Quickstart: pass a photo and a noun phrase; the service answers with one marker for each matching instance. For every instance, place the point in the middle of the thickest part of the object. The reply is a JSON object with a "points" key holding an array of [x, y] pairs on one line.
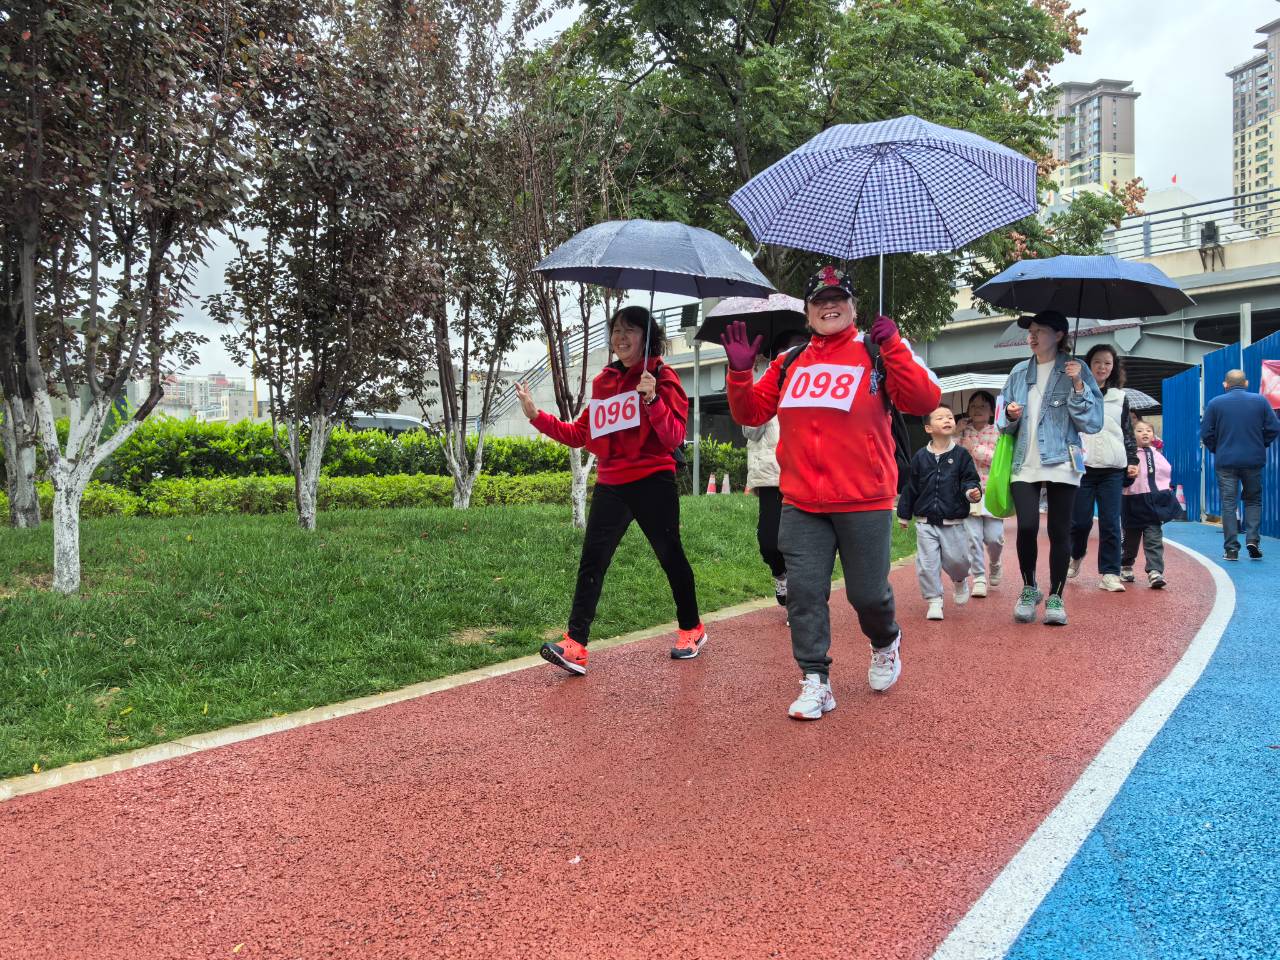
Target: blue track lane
{"points": [[1186, 861]]}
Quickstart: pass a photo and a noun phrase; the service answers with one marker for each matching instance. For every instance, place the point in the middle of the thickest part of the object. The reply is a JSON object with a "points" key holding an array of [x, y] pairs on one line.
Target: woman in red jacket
{"points": [[838, 473], [635, 419]]}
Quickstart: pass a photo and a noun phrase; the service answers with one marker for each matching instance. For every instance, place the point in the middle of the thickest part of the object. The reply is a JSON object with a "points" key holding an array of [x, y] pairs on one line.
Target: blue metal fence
{"points": [[1182, 434], [1268, 349], [1215, 365]]}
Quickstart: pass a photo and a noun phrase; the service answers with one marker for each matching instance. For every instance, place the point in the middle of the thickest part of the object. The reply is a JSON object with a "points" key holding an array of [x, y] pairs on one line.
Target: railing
{"points": [[668, 317], [1197, 226]]}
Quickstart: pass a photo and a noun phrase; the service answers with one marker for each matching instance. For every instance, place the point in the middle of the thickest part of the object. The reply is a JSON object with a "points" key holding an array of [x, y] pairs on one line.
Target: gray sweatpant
{"points": [[809, 542], [938, 549], [987, 534]]}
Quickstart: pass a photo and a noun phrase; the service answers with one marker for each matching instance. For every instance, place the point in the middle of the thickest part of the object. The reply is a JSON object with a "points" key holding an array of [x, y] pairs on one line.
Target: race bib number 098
{"points": [[822, 385], [614, 413]]}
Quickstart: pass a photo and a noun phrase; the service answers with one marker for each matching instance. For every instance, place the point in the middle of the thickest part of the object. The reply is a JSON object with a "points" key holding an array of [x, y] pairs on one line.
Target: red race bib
{"points": [[614, 413], [823, 385]]}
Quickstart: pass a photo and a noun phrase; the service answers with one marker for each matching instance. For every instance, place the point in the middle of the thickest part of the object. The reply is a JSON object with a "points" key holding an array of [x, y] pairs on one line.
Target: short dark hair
{"points": [[985, 395], [941, 406], [1117, 370], [642, 319]]}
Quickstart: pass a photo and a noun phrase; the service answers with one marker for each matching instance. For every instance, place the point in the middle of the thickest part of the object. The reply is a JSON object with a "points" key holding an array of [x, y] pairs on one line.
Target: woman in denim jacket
{"points": [[1050, 399]]}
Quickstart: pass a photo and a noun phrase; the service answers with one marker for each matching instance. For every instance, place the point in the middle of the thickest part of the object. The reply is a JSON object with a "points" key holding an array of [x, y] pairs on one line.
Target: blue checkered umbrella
{"points": [[893, 186]]}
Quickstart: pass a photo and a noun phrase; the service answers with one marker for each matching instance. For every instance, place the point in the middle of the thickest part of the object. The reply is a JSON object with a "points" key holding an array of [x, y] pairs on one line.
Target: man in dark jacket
{"points": [[1237, 428], [943, 483]]}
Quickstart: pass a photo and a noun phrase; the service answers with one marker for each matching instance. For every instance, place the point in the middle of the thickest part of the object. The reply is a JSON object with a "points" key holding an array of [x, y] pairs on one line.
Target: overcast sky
{"points": [[1175, 52]]}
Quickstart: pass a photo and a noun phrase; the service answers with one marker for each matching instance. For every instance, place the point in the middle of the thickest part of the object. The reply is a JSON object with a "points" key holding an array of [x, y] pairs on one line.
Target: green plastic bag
{"points": [[998, 500]]}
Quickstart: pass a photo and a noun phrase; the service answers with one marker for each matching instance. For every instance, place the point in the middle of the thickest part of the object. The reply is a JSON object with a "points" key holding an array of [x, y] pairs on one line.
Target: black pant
{"points": [[1026, 501], [767, 528], [655, 505]]}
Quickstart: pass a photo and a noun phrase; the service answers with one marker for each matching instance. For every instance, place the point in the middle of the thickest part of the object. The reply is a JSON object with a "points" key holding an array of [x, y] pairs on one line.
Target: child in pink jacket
{"points": [[1147, 504]]}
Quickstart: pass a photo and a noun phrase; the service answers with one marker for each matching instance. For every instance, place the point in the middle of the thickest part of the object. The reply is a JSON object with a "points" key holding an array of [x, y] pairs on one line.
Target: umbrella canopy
{"points": [[1101, 287], [1139, 400], [656, 256], [893, 186], [766, 318], [1015, 337]]}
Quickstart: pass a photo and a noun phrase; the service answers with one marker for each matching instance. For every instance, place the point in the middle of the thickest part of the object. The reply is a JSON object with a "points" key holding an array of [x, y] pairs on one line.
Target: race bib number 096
{"points": [[614, 413], [822, 385]]}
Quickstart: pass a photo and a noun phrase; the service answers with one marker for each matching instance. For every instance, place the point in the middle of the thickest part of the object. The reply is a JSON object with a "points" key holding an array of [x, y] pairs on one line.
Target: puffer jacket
{"points": [[762, 454], [1114, 447]]}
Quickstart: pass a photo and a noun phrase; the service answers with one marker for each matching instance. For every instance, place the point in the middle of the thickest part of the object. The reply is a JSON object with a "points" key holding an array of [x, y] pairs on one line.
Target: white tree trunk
{"points": [[18, 430], [71, 470], [580, 464], [306, 471], [66, 535], [462, 470]]}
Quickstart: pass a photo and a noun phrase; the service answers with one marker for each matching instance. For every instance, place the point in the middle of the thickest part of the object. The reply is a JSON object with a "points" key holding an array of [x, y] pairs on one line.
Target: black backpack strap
{"points": [[791, 357]]}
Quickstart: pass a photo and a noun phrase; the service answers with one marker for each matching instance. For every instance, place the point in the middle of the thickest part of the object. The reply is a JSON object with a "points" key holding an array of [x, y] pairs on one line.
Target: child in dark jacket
{"points": [[944, 482]]}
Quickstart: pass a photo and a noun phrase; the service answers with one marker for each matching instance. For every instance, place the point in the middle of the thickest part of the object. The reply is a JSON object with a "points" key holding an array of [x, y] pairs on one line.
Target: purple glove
{"points": [[883, 329], [742, 355]]}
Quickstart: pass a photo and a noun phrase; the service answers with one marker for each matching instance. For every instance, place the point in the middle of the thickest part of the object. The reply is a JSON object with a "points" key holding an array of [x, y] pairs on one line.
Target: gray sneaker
{"points": [[1055, 614], [1025, 609]]}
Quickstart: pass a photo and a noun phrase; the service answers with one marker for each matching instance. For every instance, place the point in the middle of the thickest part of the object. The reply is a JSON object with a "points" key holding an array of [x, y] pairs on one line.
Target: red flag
{"points": [[1175, 178]]}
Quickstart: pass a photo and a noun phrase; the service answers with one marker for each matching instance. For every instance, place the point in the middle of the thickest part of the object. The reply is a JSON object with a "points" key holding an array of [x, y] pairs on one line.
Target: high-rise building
{"points": [[1254, 116], [1094, 148]]}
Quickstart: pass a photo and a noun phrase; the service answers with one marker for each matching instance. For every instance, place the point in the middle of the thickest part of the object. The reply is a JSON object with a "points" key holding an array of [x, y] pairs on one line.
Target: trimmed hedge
{"points": [[274, 494], [164, 448]]}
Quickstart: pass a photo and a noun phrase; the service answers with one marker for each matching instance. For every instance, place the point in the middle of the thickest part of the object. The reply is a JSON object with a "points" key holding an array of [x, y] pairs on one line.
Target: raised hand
{"points": [[882, 329], [1072, 369], [741, 354], [526, 400]]}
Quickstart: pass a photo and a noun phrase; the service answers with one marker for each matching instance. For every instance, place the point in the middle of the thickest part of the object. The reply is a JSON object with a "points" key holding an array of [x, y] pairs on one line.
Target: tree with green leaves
{"points": [[734, 87], [340, 277], [123, 153]]}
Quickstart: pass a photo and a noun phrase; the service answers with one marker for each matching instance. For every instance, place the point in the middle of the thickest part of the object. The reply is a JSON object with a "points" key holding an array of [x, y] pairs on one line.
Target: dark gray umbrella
{"points": [[656, 255], [1100, 288], [768, 318]]}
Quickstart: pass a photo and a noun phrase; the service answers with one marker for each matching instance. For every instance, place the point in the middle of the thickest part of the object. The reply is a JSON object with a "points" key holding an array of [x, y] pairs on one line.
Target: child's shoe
{"points": [[979, 587], [935, 609], [1156, 580], [815, 699]]}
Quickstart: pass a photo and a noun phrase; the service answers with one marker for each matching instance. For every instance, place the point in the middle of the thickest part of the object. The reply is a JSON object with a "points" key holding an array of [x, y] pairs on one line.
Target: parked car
{"points": [[390, 423]]}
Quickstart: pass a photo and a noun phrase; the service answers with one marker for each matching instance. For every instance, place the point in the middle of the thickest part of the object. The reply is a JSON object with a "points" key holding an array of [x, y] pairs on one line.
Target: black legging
{"points": [[654, 504], [1026, 501], [767, 529]]}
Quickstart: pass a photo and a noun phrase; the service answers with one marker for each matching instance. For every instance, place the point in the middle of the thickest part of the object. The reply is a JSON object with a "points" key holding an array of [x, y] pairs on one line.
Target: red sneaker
{"points": [[568, 654], [688, 643]]}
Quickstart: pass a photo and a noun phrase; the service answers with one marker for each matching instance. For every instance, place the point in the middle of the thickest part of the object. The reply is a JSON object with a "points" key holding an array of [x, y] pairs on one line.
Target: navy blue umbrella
{"points": [[656, 255], [893, 186], [1100, 287]]}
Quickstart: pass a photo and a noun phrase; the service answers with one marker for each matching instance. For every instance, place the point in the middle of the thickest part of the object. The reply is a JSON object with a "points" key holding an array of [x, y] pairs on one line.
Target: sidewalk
{"points": [[653, 808]]}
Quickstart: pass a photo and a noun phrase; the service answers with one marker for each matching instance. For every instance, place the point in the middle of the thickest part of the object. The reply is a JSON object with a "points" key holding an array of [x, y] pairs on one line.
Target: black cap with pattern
{"points": [[828, 278]]}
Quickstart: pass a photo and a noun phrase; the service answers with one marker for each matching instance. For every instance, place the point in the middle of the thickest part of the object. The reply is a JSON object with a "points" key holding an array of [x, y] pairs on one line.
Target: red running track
{"points": [[652, 809]]}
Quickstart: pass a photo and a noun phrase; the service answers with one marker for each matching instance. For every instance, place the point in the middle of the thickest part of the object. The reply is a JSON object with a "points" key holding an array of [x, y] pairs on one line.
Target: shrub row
{"points": [[164, 448], [187, 497]]}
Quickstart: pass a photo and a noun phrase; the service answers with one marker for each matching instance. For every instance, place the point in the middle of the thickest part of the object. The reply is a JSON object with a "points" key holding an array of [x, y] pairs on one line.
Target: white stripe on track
{"points": [[994, 922]]}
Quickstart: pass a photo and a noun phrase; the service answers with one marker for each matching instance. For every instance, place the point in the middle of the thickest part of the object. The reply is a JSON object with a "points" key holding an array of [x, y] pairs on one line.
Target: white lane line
{"points": [[994, 922]]}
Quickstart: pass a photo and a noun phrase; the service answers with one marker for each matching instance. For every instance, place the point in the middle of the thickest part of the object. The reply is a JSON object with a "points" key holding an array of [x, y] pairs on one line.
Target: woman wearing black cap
{"points": [[1050, 399]]}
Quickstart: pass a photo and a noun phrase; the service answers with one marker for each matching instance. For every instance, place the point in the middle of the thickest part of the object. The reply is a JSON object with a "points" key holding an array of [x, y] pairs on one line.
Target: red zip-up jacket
{"points": [[835, 460], [636, 452]]}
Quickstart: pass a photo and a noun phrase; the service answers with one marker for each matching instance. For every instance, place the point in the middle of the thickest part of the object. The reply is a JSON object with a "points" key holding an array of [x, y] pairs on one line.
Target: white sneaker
{"points": [[1111, 582], [979, 587], [886, 666], [961, 596], [1073, 568], [997, 571], [815, 699], [935, 609]]}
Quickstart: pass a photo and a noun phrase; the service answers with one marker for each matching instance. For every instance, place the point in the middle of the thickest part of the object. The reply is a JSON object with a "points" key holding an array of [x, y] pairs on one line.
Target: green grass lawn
{"points": [[189, 625]]}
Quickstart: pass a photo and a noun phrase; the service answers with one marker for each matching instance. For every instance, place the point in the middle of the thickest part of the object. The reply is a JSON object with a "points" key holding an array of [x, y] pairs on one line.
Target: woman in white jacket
{"points": [[763, 476], [1111, 460]]}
